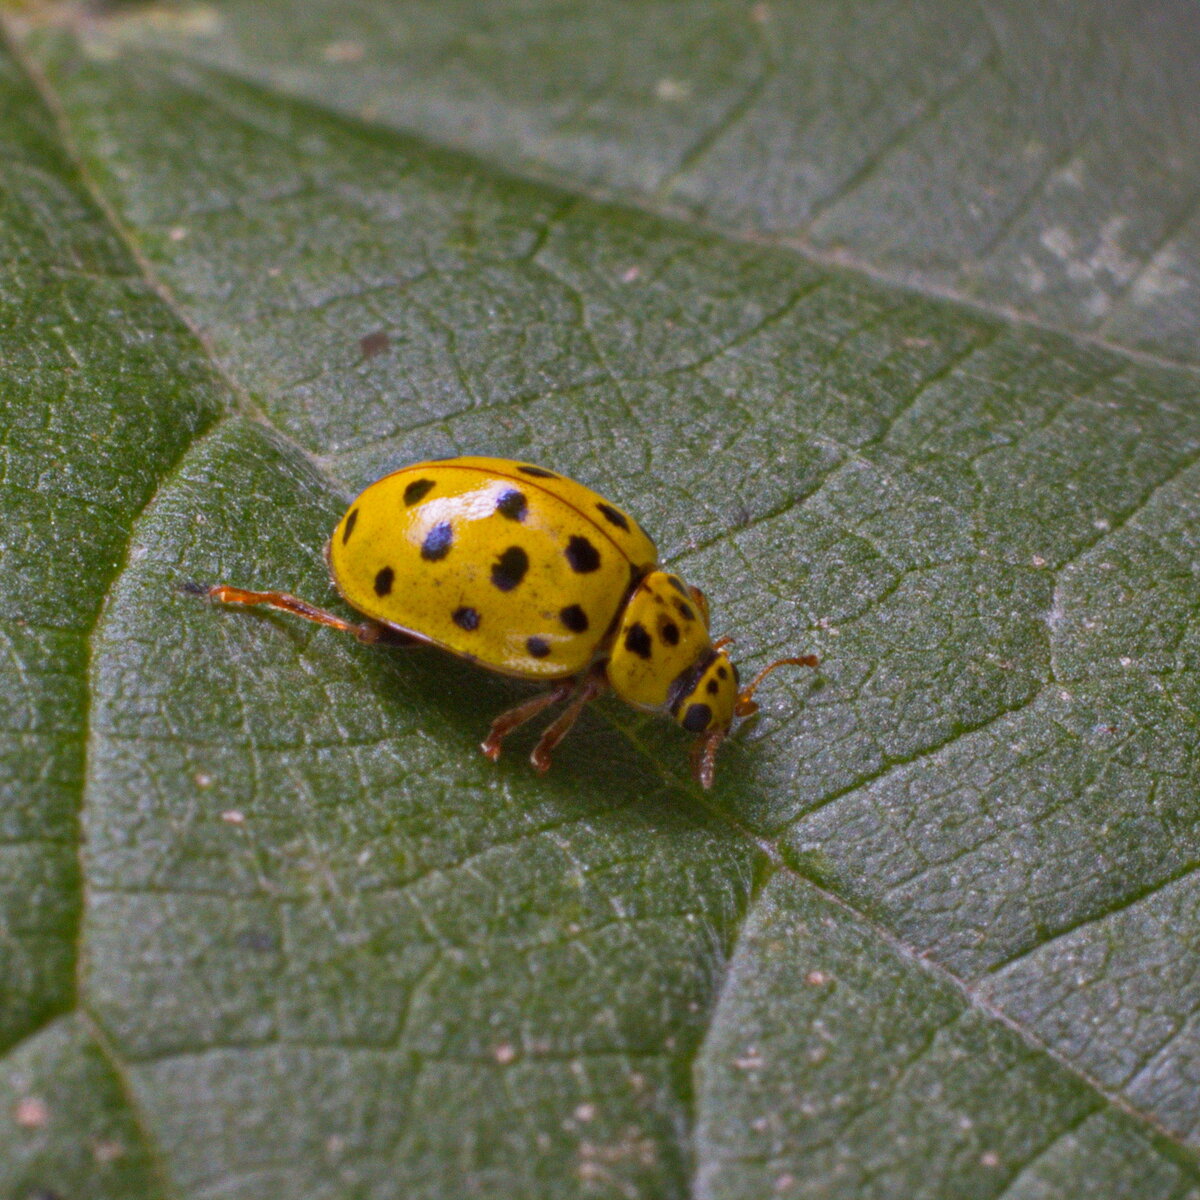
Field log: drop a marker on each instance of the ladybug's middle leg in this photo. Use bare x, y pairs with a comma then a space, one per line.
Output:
512, 718
593, 685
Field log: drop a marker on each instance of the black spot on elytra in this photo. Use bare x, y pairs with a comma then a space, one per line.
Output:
637, 640
512, 504
574, 618
383, 581
418, 490
724, 674
348, 528
713, 687
614, 516
509, 569
685, 610
677, 584
437, 542
669, 632
466, 618
582, 555
537, 646
697, 717
537, 473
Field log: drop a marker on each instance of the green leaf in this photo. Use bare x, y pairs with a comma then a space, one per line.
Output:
270, 925
1044, 160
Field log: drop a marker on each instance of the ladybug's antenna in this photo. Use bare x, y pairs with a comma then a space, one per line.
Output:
745, 705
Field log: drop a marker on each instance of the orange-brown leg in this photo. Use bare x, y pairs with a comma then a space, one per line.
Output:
366, 631
593, 685
512, 718
704, 757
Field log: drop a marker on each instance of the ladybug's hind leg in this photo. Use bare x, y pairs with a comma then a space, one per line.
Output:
365, 631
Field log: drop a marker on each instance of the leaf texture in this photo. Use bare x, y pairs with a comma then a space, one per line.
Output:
269, 924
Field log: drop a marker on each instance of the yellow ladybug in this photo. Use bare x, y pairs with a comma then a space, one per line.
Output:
529, 574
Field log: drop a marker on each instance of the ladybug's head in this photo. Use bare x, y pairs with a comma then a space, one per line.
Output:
709, 698
662, 659
706, 697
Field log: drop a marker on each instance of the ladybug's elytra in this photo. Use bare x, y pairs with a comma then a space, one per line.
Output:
533, 575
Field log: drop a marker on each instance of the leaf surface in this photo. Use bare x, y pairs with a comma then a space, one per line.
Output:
271, 924
1040, 161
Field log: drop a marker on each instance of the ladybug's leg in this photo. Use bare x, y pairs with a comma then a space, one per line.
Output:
593, 685
366, 631
704, 757
507, 721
